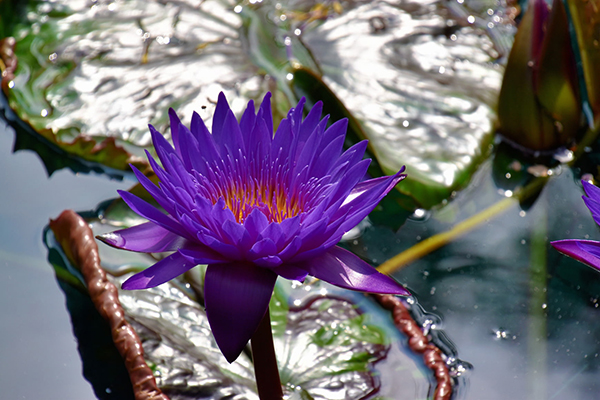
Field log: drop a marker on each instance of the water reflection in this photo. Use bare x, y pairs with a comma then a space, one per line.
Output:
521, 313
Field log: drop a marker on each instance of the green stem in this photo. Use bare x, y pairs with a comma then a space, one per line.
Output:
265, 362
538, 283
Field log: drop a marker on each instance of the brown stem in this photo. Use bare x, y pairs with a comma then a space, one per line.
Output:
265, 362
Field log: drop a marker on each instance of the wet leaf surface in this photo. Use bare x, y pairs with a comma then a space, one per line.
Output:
91, 76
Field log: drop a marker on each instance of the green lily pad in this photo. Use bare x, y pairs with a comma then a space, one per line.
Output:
423, 95
329, 342
90, 78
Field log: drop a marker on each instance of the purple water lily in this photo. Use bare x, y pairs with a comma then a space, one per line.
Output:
586, 251
254, 206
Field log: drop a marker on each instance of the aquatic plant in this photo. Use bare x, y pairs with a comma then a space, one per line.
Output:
254, 206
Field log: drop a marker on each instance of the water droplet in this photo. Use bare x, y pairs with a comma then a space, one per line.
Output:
501, 334
470, 19
289, 76
508, 175
522, 213
237, 9
297, 32
11, 84
44, 113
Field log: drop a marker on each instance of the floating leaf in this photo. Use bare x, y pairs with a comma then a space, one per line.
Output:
424, 96
91, 77
328, 347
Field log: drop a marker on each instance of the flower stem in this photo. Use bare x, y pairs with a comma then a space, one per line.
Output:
265, 362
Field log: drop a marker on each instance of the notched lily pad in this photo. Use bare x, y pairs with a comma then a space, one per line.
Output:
329, 342
424, 95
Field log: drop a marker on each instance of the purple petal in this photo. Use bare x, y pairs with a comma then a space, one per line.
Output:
266, 114
323, 163
311, 121
199, 254
247, 121
162, 147
219, 116
204, 138
255, 223
364, 198
237, 235
586, 251
174, 122
236, 298
263, 248
166, 269
147, 238
154, 191
593, 200
342, 268
336, 130
291, 272
149, 212
231, 135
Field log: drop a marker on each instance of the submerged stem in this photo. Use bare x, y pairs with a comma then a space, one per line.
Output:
265, 362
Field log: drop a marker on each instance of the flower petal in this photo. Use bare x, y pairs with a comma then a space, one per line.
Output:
236, 298
342, 268
593, 200
364, 198
147, 238
166, 269
174, 123
586, 251
291, 272
149, 212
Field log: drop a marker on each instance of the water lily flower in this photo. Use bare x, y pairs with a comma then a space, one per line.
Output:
254, 206
586, 251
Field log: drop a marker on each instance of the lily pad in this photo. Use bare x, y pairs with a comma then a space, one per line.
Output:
93, 75
423, 93
421, 85
329, 342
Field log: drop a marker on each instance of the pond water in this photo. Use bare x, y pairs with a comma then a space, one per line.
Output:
523, 316
38, 346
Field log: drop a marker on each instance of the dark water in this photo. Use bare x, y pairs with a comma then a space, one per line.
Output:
37, 347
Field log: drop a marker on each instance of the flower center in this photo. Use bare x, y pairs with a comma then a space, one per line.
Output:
274, 202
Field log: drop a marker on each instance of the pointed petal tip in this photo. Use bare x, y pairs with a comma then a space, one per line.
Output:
110, 239
585, 251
